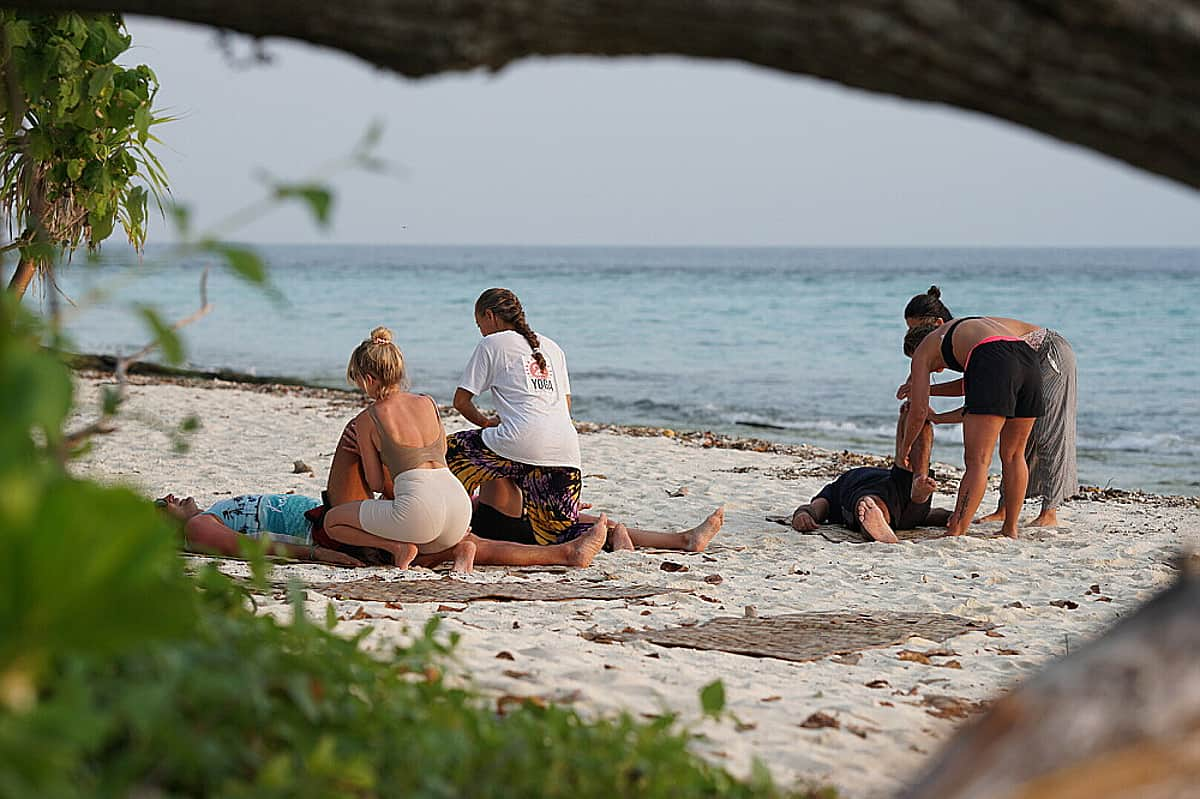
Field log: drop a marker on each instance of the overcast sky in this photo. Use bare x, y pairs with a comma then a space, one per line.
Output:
636, 151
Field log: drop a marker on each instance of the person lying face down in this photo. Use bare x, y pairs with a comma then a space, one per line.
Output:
879, 501
286, 520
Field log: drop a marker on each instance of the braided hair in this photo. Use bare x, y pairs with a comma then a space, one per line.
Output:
928, 306
505, 305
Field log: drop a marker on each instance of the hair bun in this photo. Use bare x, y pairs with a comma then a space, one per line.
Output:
934, 292
381, 335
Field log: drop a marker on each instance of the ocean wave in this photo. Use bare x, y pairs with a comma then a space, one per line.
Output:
1143, 442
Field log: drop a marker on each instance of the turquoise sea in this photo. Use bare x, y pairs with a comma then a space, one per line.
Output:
790, 344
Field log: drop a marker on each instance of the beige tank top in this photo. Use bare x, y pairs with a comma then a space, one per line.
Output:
399, 458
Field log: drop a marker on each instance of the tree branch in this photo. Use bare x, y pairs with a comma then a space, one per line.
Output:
1120, 77
104, 425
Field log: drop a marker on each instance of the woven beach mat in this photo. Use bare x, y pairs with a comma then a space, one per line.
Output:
807, 636
450, 590
843, 535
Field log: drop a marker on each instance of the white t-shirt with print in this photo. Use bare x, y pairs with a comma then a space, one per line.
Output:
535, 423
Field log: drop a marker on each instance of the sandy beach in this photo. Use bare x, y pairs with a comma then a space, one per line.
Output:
1045, 594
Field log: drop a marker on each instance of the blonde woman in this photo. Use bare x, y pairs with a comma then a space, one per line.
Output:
430, 511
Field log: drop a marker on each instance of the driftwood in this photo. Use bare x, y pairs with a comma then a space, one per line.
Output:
1120, 717
1118, 76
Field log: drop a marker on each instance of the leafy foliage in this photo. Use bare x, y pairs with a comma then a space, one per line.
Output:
75, 158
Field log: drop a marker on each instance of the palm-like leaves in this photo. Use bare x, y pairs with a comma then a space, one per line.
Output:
75, 158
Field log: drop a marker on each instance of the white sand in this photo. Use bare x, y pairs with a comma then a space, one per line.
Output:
249, 441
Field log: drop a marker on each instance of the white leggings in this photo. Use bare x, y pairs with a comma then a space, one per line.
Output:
431, 510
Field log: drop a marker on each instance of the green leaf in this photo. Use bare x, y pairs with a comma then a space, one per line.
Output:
101, 80
101, 224
110, 401
244, 262
165, 336
141, 121
712, 698
181, 215
318, 198
18, 32
371, 137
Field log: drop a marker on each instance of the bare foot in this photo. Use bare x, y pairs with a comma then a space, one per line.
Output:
1011, 532
584, 548
696, 539
874, 522
620, 540
464, 556
955, 525
995, 516
922, 488
403, 554
1047, 518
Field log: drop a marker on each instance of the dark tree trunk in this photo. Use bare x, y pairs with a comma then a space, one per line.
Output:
1118, 76
1118, 718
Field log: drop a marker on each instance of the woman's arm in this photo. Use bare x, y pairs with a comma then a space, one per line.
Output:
208, 535
949, 417
376, 473
918, 398
464, 404
953, 388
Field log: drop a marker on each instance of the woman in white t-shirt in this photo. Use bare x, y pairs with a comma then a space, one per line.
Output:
533, 442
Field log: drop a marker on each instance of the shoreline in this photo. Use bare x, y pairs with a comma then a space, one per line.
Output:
883, 710
832, 462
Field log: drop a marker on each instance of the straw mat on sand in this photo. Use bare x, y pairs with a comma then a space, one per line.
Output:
449, 590
808, 636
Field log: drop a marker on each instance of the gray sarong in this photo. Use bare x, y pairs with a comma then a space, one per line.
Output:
1050, 452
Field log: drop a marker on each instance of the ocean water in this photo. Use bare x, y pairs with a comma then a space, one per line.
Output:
798, 345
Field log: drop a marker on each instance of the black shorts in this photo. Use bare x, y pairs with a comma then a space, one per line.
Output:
893, 486
1004, 378
487, 522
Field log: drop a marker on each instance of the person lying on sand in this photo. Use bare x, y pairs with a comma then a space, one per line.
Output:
284, 519
879, 501
498, 515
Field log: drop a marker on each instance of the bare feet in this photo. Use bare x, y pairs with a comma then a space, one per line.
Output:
956, 525
464, 556
696, 539
403, 554
874, 522
1047, 518
620, 540
923, 487
1009, 530
995, 516
584, 548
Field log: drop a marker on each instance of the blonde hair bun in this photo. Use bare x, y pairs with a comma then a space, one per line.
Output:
382, 335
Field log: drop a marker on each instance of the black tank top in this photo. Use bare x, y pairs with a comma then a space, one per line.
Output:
948, 344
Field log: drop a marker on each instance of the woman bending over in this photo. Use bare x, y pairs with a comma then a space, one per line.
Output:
1002, 383
1050, 453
